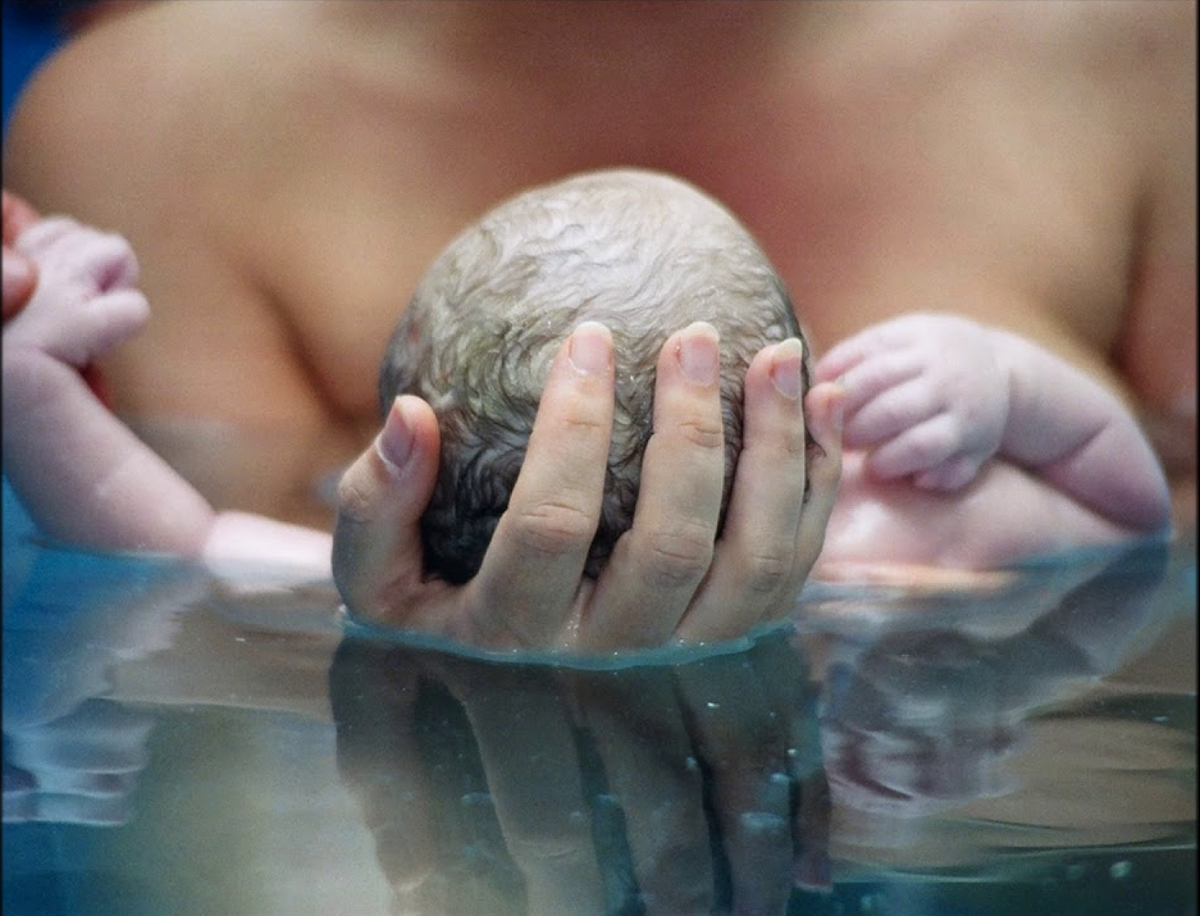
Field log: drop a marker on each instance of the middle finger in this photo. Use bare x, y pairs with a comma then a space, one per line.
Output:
531, 573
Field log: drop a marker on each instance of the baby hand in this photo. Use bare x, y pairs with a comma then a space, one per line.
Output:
20, 276
85, 303
925, 397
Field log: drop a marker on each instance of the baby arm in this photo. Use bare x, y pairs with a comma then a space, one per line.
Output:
933, 397
83, 475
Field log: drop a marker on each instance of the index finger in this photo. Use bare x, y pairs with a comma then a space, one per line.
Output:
532, 572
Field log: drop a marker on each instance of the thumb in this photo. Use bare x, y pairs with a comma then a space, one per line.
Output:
381, 497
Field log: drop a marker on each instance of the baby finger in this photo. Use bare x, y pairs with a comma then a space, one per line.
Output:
921, 448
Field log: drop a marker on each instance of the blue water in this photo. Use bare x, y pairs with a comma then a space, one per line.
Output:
172, 746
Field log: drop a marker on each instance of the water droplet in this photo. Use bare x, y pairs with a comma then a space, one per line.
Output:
475, 800
1121, 870
759, 822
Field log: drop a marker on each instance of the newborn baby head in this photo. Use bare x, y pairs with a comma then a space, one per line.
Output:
641, 252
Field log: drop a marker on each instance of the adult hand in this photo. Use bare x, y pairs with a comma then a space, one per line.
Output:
20, 273
669, 578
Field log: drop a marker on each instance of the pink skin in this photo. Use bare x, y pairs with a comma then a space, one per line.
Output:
83, 475
933, 398
20, 273
87, 302
88, 480
968, 448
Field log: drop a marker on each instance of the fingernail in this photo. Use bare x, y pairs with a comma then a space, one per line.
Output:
699, 355
394, 442
786, 364
591, 348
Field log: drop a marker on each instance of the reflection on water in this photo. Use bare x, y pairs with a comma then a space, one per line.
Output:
493, 788
177, 746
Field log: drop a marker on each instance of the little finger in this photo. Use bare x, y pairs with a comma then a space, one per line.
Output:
823, 472
754, 571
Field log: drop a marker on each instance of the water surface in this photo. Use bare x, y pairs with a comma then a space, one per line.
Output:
177, 746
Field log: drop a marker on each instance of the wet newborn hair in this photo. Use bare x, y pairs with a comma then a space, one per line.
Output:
641, 252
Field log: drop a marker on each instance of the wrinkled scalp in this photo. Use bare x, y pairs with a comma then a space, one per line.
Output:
641, 252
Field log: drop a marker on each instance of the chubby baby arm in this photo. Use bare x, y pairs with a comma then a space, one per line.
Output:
1079, 437
934, 397
82, 474
84, 477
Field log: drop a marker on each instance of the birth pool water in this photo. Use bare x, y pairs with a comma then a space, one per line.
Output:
176, 747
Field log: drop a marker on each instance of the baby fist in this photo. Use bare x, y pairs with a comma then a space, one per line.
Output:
85, 303
926, 398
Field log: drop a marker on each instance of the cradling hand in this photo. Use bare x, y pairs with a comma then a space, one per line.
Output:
669, 577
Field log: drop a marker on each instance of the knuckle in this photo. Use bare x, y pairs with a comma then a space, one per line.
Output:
822, 467
785, 443
355, 503
932, 446
553, 529
561, 851
947, 440
873, 421
703, 434
678, 558
765, 572
583, 426
923, 453
583, 422
792, 443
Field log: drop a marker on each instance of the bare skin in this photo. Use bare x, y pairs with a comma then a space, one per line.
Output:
20, 272
1031, 165
1005, 449
89, 481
